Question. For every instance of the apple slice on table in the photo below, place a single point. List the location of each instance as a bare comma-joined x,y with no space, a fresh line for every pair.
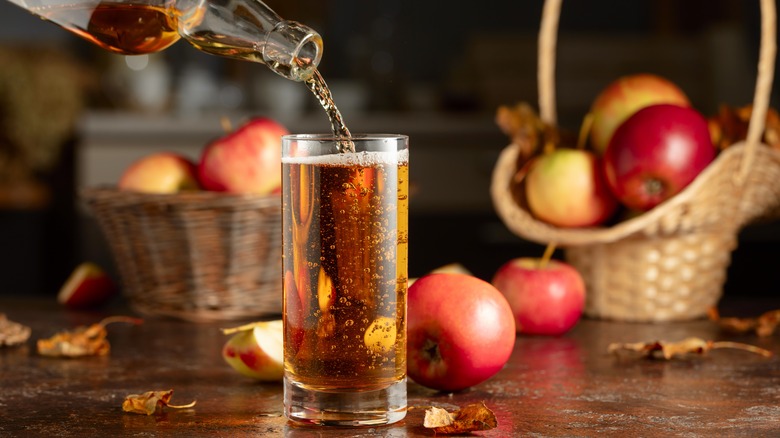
87,286
256,350
247,160
161,172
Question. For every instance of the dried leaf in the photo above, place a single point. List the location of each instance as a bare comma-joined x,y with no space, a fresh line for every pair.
730,126
669,350
437,417
763,325
470,418
81,341
150,402
12,333
522,124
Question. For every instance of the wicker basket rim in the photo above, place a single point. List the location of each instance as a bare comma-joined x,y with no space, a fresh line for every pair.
189,200
508,209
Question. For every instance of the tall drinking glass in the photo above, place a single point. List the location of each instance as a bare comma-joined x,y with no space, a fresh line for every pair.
345,238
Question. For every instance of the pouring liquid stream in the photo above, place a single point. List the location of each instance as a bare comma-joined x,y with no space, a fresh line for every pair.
316,83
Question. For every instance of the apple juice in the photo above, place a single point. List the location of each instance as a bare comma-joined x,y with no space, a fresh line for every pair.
238,29
345,267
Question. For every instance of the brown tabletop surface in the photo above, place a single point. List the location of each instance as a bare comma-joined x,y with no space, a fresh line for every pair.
562,386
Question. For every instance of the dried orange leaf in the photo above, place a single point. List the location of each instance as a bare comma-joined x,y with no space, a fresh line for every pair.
12,333
470,418
730,125
763,325
522,125
150,402
669,350
81,341
526,129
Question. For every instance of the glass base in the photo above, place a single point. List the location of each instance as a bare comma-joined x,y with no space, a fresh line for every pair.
365,408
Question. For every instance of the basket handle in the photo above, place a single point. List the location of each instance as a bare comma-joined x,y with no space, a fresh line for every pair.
766,65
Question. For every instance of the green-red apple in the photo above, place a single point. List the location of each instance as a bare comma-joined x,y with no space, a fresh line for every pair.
247,160
547,298
567,188
625,96
160,172
256,350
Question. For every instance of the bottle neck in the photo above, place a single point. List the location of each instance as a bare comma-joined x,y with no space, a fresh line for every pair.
249,30
292,50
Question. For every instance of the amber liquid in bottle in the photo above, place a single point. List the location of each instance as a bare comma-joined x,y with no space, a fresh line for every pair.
126,28
137,29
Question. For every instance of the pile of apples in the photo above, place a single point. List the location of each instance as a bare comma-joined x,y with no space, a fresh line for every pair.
641,143
245,161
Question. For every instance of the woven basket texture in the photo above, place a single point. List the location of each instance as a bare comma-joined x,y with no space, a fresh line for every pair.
197,256
669,263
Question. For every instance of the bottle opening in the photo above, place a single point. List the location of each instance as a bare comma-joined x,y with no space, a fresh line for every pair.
293,50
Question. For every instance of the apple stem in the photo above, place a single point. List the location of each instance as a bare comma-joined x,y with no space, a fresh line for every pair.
582,138
127,319
548,252
741,346
227,125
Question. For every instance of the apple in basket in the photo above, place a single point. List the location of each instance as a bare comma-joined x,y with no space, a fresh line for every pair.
460,331
625,96
247,160
546,296
566,188
656,153
160,172
256,350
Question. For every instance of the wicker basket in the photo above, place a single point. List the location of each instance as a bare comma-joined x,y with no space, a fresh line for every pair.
197,256
669,263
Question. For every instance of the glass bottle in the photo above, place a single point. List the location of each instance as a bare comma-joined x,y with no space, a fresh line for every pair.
242,29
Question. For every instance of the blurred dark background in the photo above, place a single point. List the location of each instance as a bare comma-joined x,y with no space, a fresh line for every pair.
437,73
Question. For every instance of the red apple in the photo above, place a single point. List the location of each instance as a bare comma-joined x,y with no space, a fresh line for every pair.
460,331
452,268
546,298
256,350
161,172
566,188
656,153
87,286
625,96
247,160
